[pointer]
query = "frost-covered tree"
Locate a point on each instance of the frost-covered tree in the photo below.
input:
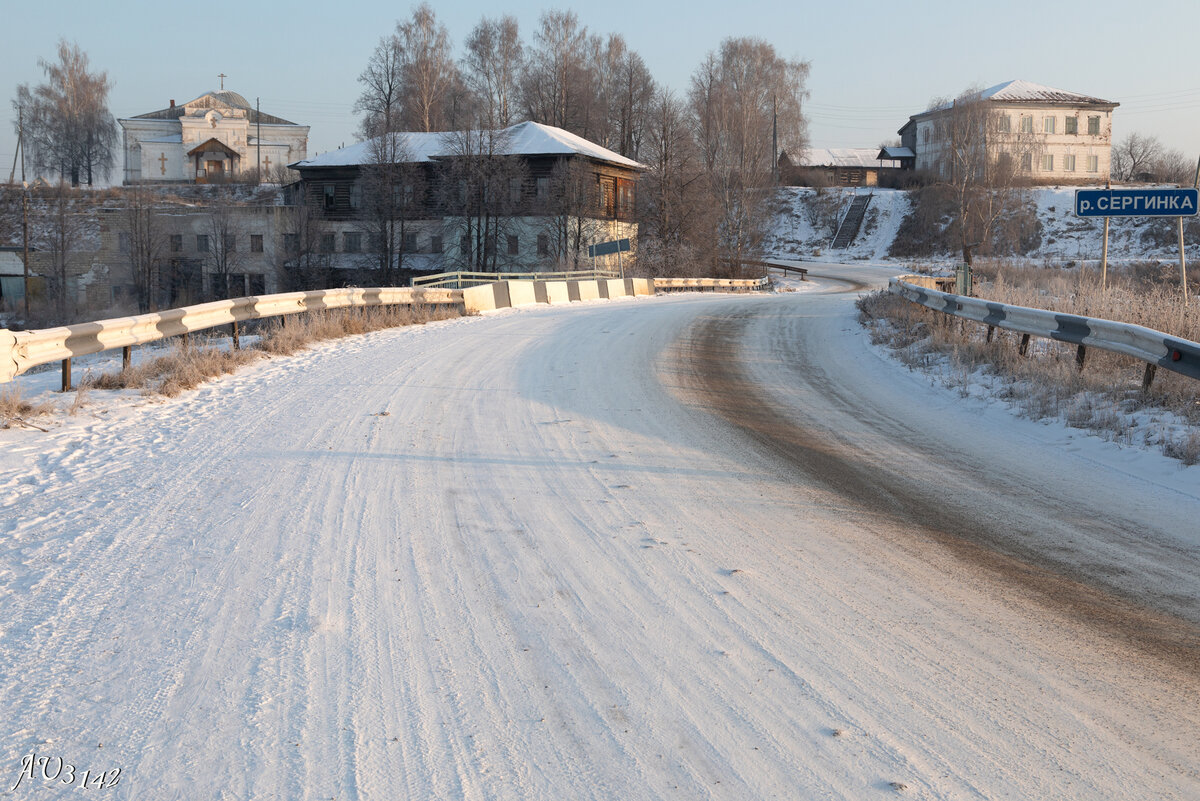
(67, 128)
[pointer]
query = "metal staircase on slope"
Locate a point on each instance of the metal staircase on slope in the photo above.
(851, 222)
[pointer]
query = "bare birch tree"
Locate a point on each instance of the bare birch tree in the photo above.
(557, 86)
(736, 95)
(985, 161)
(147, 241)
(676, 221)
(1135, 156)
(225, 228)
(492, 68)
(393, 190)
(483, 188)
(68, 130)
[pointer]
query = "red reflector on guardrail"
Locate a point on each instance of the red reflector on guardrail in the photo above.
(1176, 355)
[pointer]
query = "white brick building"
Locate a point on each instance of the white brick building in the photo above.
(1065, 137)
(219, 136)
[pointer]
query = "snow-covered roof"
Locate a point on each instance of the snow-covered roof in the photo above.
(218, 100)
(522, 139)
(840, 157)
(1029, 92)
(169, 139)
(893, 152)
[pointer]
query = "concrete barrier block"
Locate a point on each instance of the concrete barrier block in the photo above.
(521, 293)
(557, 292)
(486, 297)
(615, 287)
(643, 286)
(590, 290)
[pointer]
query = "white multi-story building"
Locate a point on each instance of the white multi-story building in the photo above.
(217, 137)
(1056, 136)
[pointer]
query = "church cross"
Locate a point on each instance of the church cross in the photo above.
(222, 76)
(162, 163)
(267, 163)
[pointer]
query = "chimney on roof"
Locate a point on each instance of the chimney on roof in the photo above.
(172, 102)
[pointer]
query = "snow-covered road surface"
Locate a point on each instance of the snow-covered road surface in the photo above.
(688, 547)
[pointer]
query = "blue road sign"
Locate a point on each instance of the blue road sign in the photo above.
(605, 248)
(1136, 202)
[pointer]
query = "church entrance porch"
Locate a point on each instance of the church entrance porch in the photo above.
(213, 161)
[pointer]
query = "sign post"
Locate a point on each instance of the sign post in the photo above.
(607, 248)
(1108, 203)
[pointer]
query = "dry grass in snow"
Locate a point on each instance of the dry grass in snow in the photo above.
(1105, 397)
(187, 367)
(15, 409)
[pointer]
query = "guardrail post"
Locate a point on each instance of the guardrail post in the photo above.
(1148, 376)
(126, 357)
(1024, 348)
(186, 339)
(1080, 356)
(66, 375)
(237, 340)
(991, 330)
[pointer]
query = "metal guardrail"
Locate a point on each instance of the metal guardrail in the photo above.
(461, 280)
(1153, 347)
(736, 284)
(21, 350)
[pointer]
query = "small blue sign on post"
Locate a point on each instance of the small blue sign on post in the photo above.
(607, 248)
(1136, 202)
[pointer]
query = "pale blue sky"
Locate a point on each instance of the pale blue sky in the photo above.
(873, 63)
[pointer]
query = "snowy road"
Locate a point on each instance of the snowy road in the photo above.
(688, 547)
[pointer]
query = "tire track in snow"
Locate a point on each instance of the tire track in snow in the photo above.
(994, 537)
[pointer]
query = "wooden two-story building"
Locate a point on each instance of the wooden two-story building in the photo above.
(528, 197)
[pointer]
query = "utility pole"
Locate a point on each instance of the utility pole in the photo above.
(24, 203)
(258, 135)
(775, 138)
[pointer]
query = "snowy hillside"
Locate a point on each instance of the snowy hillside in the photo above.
(805, 223)
(804, 227)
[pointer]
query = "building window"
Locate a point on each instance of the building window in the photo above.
(514, 190)
(202, 243)
(1048, 125)
(1094, 126)
(256, 283)
(123, 242)
(1072, 126)
(1027, 125)
(512, 245)
(410, 243)
(1069, 163)
(543, 244)
(1093, 164)
(327, 243)
(355, 196)
(1027, 162)
(291, 243)
(435, 244)
(1048, 162)
(543, 188)
(256, 243)
(1005, 123)
(352, 242)
(330, 195)
(230, 243)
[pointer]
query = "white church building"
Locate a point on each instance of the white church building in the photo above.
(217, 137)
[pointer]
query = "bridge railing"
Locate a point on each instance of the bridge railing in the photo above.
(1155, 348)
(462, 279)
(22, 350)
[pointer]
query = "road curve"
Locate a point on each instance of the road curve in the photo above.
(697, 546)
